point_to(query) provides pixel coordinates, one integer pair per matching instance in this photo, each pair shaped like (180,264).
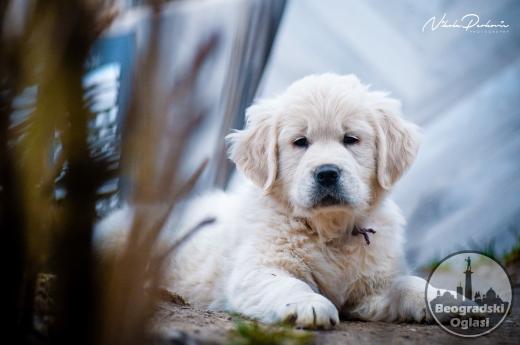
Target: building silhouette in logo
(459,292)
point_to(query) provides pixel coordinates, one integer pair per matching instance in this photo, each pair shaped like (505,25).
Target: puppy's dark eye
(301,142)
(350,139)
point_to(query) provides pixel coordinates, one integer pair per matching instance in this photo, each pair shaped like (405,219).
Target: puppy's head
(326,143)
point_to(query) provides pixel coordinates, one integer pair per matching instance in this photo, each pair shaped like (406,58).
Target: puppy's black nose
(327,175)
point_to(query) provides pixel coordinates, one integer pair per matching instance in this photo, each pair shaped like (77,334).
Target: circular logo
(469,294)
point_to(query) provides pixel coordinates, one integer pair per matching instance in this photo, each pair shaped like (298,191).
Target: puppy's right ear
(254,149)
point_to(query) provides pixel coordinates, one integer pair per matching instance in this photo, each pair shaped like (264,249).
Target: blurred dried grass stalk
(157,188)
(48,51)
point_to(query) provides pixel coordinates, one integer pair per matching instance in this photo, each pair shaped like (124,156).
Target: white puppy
(322,157)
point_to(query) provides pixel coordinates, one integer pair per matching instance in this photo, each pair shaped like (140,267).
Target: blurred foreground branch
(44,132)
(157,187)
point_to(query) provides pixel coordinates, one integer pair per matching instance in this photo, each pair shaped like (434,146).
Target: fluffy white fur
(273,254)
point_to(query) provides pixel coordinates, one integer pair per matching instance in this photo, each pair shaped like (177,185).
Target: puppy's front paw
(406,301)
(310,311)
(413,308)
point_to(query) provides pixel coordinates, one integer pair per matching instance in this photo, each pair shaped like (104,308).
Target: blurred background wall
(462,87)
(240,32)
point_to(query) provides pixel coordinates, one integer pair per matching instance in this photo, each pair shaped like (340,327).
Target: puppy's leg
(272,295)
(402,300)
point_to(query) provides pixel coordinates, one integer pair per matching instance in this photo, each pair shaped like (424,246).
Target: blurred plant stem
(49,53)
(46,234)
(156,188)
(11,218)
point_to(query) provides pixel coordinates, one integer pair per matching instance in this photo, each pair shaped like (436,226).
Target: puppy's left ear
(254,149)
(397,140)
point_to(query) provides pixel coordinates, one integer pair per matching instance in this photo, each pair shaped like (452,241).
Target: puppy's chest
(346,273)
